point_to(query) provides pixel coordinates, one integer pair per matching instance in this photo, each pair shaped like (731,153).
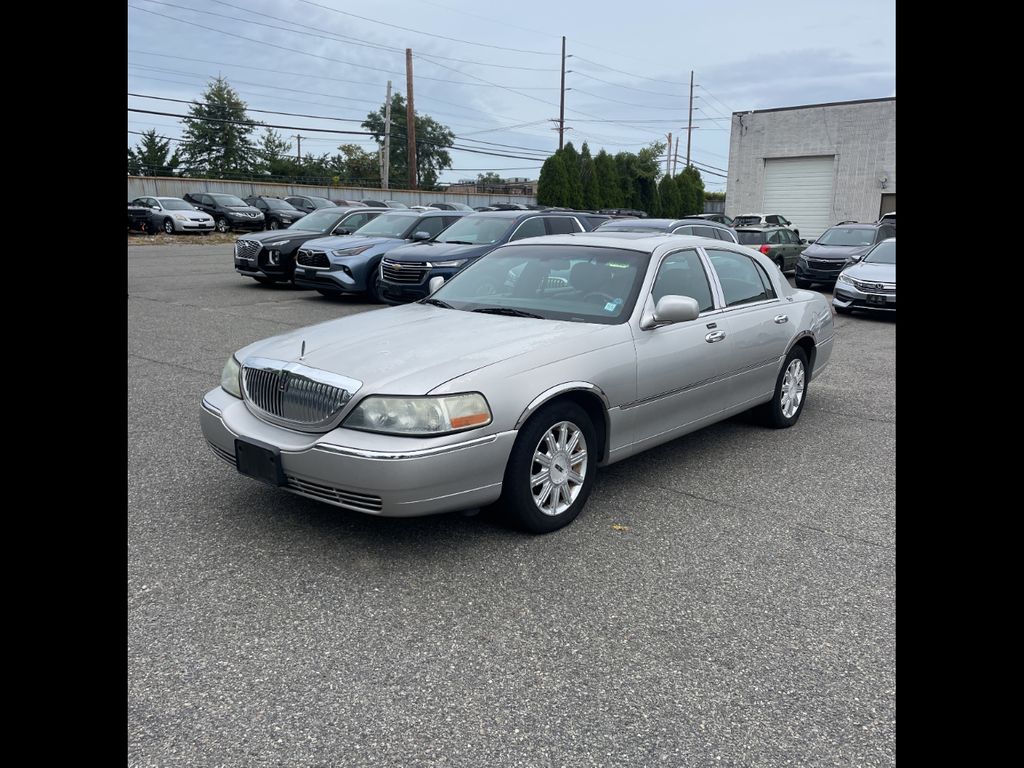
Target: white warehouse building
(816,165)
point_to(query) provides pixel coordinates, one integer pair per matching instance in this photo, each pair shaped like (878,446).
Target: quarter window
(742,281)
(682,274)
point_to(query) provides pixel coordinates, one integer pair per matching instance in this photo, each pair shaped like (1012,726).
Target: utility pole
(298,150)
(561,104)
(668,156)
(386,160)
(689,130)
(675,157)
(410,119)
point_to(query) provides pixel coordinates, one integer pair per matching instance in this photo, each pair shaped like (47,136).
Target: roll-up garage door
(800,188)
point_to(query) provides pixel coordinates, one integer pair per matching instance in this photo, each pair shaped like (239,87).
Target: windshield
(847,236)
(577,283)
(321,202)
(317,221)
(387,225)
(174,204)
(750,238)
(476,230)
(278,205)
(883,253)
(229,200)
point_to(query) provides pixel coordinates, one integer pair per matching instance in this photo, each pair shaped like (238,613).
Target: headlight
(179,217)
(420,415)
(452,263)
(350,251)
(229,377)
(844,279)
(277,242)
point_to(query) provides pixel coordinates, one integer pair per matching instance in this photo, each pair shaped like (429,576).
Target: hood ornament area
(302,354)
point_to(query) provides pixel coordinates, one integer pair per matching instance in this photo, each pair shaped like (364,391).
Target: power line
(729,109)
(631,74)
(626,87)
(626,103)
(251,109)
(428,34)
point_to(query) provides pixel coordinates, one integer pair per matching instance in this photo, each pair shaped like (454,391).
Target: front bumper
(377,474)
(401,293)
(250,225)
(847,296)
(818,274)
(194,226)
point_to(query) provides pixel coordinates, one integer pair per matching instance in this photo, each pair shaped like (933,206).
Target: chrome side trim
(207,406)
(399,455)
(559,389)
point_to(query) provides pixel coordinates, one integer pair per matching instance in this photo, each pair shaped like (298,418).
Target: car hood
(415,348)
(243,209)
(836,252)
(282,236)
(338,242)
(881,273)
(439,251)
(287,214)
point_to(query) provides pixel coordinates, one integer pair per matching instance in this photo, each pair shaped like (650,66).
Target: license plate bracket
(259,461)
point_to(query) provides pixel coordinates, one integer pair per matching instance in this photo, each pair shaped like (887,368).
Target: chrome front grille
(829,265)
(316,259)
(869,287)
(247,249)
(292,394)
(405,272)
(360,502)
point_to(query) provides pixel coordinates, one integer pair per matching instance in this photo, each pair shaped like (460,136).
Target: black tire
(274,224)
(168,227)
(328,293)
(517,497)
(772,411)
(800,283)
(222,225)
(781,264)
(371,285)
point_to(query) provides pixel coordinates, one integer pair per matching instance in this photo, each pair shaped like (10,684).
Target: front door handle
(714,336)
(781,318)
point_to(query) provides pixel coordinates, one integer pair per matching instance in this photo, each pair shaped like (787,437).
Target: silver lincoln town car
(520,376)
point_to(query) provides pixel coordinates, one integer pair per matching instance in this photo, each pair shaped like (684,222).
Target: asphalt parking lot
(726,599)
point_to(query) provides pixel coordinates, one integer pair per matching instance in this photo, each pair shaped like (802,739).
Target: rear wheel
(787,403)
(551,469)
(781,264)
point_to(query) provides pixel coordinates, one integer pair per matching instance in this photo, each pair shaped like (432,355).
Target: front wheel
(275,224)
(222,225)
(551,469)
(372,289)
(787,403)
(800,283)
(168,226)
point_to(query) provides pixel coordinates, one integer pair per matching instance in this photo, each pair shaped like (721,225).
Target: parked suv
(837,248)
(269,257)
(277,214)
(406,272)
(172,214)
(780,244)
(763,220)
(695,227)
(336,265)
(228,211)
(308,204)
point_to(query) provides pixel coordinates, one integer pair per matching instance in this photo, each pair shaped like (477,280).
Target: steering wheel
(603,298)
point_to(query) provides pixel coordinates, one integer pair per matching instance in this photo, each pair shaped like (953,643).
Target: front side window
(476,230)
(387,225)
(433,225)
(353,222)
(576,283)
(740,277)
(530,228)
(682,274)
(318,221)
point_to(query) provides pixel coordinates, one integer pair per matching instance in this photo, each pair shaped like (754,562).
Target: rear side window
(530,228)
(775,238)
(683,231)
(705,232)
(561,225)
(682,274)
(743,282)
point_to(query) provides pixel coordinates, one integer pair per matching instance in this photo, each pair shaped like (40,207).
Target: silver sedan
(870,283)
(518,378)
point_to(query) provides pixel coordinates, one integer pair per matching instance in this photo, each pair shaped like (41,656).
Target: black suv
(308,204)
(228,211)
(406,271)
(269,257)
(277,214)
(780,244)
(837,248)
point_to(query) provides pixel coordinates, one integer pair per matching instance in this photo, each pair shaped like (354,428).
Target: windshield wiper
(456,242)
(507,311)
(435,302)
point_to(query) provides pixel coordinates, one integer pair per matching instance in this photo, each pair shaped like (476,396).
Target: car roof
(758,227)
(644,242)
(507,214)
(856,225)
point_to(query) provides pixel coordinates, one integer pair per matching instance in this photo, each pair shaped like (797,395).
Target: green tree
(217,138)
(687,194)
(152,156)
(274,156)
(671,205)
(626,169)
(588,176)
(607,181)
(571,160)
(719,196)
(489,178)
(647,191)
(432,141)
(357,167)
(553,184)
(697,185)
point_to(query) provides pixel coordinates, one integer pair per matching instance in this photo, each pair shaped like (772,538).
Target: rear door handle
(714,336)
(781,318)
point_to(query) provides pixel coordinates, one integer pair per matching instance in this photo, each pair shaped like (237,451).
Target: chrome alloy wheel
(792,388)
(559,468)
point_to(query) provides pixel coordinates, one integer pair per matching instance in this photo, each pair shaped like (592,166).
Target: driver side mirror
(670,309)
(154,207)
(421,235)
(803,241)
(343,231)
(435,283)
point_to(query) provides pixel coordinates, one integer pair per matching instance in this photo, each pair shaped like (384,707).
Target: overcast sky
(490,71)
